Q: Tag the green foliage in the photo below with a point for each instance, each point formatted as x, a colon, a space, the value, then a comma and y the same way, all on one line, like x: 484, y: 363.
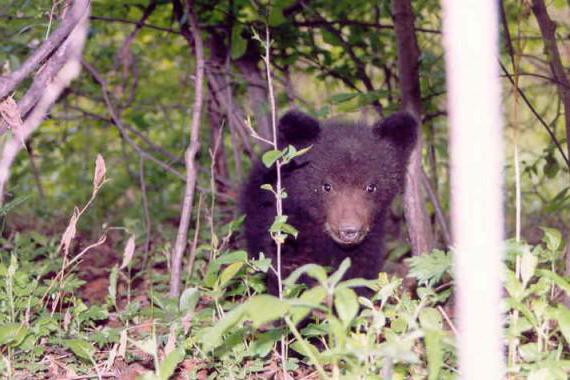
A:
x: 223, y: 322
x: 429, y: 269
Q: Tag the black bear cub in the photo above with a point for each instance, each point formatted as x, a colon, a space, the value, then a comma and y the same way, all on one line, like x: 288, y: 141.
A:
x: 337, y: 194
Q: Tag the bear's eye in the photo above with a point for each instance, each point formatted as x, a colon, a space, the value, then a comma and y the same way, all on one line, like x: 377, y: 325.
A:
x: 371, y: 188
x: 327, y: 187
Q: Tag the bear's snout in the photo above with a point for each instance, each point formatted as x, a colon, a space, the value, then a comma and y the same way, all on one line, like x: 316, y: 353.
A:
x: 348, y: 217
x: 351, y: 234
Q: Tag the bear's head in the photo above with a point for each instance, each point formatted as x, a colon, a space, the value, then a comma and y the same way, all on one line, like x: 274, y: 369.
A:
x: 350, y: 175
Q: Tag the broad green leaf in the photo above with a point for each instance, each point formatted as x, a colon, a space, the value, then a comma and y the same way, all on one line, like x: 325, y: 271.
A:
x: 430, y: 268
x: 211, y: 337
x: 80, y: 348
x: 270, y: 157
x: 264, y: 343
x: 514, y: 286
x: 312, y: 270
x: 228, y: 273
x: 239, y: 44
x: 343, y: 97
x: 12, y: 334
x: 264, y: 308
x: 430, y: 319
x: 529, y: 352
x: 169, y: 364
x: 310, y: 299
x: 346, y: 305
x: 337, y: 276
x: 562, y: 316
x: 239, y: 256
x: 552, y: 238
x: 558, y: 280
x: 434, y: 352
x: 303, y: 347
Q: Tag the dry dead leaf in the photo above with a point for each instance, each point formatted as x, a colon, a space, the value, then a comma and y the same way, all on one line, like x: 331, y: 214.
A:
x: 100, y: 171
x: 123, y: 344
x: 171, y: 342
x: 70, y: 232
x: 10, y: 115
x: 129, y: 251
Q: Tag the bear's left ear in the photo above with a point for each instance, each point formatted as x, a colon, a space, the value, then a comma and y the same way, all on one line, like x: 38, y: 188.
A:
x: 297, y: 128
x: 401, y: 128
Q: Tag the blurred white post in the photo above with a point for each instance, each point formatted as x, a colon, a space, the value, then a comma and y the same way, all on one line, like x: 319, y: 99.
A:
x: 474, y: 104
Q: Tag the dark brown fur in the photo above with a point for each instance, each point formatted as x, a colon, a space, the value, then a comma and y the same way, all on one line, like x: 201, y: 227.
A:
x: 338, y: 193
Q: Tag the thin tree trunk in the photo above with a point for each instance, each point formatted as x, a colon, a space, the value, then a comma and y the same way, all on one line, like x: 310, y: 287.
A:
x: 189, y: 158
x: 548, y: 31
x: 417, y: 220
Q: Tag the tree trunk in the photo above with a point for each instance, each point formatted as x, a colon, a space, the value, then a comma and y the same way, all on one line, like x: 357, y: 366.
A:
x: 190, y: 154
x: 417, y: 220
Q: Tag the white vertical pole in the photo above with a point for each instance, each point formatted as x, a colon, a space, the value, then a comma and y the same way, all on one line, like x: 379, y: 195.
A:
x: 474, y: 105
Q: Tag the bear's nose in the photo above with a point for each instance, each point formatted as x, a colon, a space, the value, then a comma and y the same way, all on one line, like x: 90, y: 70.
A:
x: 349, y: 233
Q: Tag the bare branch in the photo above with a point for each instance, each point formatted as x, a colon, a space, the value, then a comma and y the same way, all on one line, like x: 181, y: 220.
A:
x: 117, y: 121
x: 548, y: 31
x: 70, y: 21
x: 72, y: 47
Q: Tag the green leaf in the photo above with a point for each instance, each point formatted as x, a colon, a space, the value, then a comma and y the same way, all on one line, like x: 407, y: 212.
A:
x: 551, y: 167
x: 430, y: 319
x: 264, y: 308
x: 189, y: 299
x: 13, y: 334
x: 270, y: 157
x: 113, y: 278
x: 330, y: 38
x: 211, y: 337
x: 169, y: 364
x: 558, y: 280
x: 434, y: 353
x: 429, y: 269
x: 310, y: 299
x: 552, y: 238
x: 264, y: 343
x: 239, y: 256
x: 228, y: 273
x: 346, y: 305
x: 239, y: 44
x: 343, y: 97
x: 337, y: 276
x: 312, y: 270
x: 562, y: 316
x: 80, y: 348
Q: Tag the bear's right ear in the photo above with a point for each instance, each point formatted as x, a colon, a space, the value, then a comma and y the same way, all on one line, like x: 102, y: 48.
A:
x: 401, y: 128
x: 298, y: 129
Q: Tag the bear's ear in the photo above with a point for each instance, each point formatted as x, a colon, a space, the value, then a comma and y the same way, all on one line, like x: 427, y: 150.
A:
x: 401, y: 128
x: 298, y: 128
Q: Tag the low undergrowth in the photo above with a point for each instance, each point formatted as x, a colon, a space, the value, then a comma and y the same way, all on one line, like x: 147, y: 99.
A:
x: 224, y: 325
